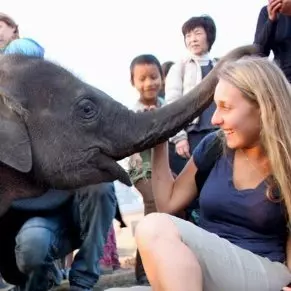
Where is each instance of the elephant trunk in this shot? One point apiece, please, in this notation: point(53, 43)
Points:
point(147, 129)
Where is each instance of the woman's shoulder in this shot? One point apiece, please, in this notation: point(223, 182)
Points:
point(208, 140)
point(210, 146)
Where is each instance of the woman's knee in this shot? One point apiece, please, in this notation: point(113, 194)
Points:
point(154, 226)
point(32, 248)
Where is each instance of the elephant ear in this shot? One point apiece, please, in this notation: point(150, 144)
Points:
point(15, 146)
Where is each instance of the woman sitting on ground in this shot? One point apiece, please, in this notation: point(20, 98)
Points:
point(242, 242)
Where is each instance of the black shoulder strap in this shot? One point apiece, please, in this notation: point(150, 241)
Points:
point(212, 153)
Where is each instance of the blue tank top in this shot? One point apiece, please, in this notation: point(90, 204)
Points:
point(244, 217)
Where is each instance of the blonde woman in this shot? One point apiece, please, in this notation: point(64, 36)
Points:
point(242, 242)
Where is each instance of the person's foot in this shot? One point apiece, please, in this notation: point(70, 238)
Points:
point(142, 280)
point(3, 285)
point(106, 270)
point(116, 267)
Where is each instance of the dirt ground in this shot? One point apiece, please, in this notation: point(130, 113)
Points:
point(122, 278)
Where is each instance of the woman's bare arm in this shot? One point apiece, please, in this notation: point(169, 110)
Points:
point(172, 195)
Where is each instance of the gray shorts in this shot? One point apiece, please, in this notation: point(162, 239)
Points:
point(227, 267)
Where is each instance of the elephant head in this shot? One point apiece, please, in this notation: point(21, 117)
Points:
point(57, 131)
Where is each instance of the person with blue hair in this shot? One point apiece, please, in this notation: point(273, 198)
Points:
point(11, 43)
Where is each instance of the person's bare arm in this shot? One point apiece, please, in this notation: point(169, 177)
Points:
point(172, 195)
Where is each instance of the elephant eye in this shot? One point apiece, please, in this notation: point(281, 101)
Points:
point(87, 109)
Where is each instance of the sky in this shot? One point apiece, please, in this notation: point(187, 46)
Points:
point(97, 40)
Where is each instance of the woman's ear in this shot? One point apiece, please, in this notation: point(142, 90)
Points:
point(15, 146)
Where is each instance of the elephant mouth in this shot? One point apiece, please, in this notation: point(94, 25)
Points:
point(112, 170)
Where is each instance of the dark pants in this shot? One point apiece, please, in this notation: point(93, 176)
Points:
point(82, 223)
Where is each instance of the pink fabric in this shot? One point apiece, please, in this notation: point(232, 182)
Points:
point(110, 255)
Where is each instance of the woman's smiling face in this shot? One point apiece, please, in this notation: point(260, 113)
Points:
point(239, 118)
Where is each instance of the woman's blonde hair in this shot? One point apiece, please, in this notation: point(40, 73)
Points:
point(262, 82)
point(10, 22)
